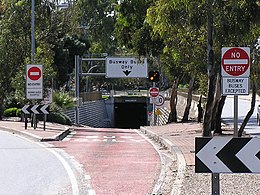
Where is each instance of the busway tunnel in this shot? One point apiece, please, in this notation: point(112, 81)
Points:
point(130, 112)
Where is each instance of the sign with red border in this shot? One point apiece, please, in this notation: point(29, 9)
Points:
point(235, 62)
point(34, 80)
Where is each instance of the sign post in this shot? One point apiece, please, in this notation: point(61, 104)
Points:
point(235, 73)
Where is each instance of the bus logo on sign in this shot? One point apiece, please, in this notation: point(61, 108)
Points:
point(236, 61)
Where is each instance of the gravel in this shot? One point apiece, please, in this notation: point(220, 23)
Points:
point(237, 184)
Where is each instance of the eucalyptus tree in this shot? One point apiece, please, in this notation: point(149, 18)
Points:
point(181, 25)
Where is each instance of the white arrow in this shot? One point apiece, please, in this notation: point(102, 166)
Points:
point(247, 155)
point(34, 109)
point(24, 109)
point(208, 154)
point(43, 109)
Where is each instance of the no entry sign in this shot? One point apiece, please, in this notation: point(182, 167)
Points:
point(34, 86)
point(34, 73)
point(235, 62)
point(154, 91)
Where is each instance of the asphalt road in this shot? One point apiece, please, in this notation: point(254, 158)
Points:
point(30, 168)
point(243, 108)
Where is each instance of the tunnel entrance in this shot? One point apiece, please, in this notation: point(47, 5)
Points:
point(130, 112)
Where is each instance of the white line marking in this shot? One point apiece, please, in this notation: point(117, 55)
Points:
point(34, 73)
point(236, 61)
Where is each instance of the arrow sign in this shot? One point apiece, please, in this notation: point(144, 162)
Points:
point(225, 154)
point(127, 72)
point(26, 109)
point(36, 109)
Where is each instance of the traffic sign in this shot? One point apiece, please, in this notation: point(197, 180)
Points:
point(36, 109)
point(235, 62)
point(34, 73)
point(226, 154)
point(235, 86)
point(154, 91)
point(117, 67)
point(160, 101)
point(34, 81)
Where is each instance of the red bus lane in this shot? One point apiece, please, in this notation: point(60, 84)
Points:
point(118, 161)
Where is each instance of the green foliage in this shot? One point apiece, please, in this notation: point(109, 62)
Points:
point(61, 101)
point(60, 118)
point(10, 112)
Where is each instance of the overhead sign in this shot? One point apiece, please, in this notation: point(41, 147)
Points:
point(34, 81)
point(36, 109)
point(235, 62)
point(126, 67)
point(226, 154)
point(235, 86)
point(154, 91)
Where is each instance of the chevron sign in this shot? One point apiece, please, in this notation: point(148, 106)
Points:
point(225, 154)
point(36, 109)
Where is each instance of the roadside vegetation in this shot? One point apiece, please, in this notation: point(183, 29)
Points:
point(181, 39)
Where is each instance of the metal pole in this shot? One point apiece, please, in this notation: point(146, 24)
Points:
point(235, 115)
point(154, 116)
point(32, 32)
point(77, 89)
point(215, 184)
point(33, 49)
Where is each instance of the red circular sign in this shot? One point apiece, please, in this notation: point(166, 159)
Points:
point(34, 73)
point(235, 61)
point(154, 91)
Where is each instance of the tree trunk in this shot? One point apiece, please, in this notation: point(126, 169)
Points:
point(221, 104)
point(185, 117)
point(173, 103)
point(211, 75)
point(216, 103)
point(200, 110)
point(250, 112)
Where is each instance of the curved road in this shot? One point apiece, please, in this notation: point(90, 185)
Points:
point(243, 108)
point(31, 168)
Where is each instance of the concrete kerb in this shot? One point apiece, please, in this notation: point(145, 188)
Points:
point(33, 137)
point(178, 156)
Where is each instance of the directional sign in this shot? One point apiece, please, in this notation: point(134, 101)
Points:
point(126, 67)
point(235, 61)
point(225, 154)
point(34, 80)
point(36, 109)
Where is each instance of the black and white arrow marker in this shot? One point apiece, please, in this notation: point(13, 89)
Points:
point(225, 154)
point(35, 109)
point(127, 72)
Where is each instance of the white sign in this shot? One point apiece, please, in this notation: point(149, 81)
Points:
point(235, 86)
point(34, 78)
point(160, 101)
point(235, 62)
point(126, 67)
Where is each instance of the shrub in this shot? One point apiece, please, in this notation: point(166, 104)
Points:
point(10, 112)
point(19, 112)
point(59, 118)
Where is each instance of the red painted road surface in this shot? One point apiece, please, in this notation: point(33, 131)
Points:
point(119, 161)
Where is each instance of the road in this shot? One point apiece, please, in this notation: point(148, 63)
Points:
point(116, 161)
point(31, 168)
point(243, 108)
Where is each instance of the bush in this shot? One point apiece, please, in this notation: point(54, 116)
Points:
point(59, 118)
point(19, 112)
point(10, 112)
